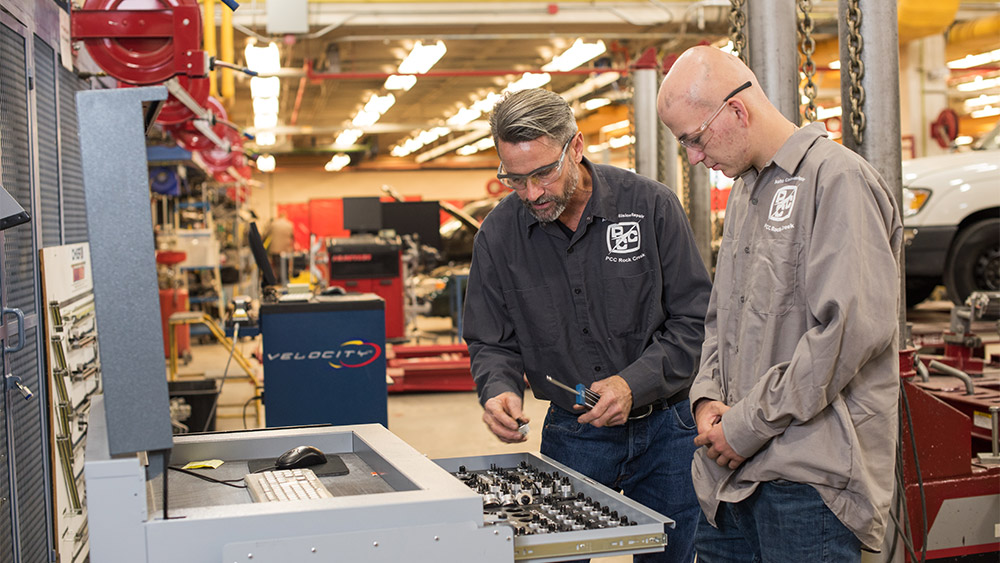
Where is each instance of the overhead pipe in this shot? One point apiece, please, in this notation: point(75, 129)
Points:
point(986, 29)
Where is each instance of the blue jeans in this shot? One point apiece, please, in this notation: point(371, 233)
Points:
point(648, 459)
point(781, 522)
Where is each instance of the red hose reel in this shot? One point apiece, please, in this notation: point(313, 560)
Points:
point(192, 139)
point(143, 42)
point(147, 42)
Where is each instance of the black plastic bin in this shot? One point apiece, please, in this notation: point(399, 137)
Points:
point(200, 395)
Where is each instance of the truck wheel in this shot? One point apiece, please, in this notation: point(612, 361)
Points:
point(974, 261)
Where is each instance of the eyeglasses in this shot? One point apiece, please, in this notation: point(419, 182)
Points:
point(693, 140)
point(541, 176)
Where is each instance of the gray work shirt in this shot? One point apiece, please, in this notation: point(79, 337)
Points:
point(626, 295)
point(801, 333)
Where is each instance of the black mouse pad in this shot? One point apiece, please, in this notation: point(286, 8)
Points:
point(333, 466)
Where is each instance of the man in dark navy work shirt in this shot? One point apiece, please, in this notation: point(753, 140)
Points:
point(589, 274)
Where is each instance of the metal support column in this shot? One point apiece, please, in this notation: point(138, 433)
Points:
point(774, 56)
point(700, 211)
point(878, 138)
point(647, 123)
point(669, 169)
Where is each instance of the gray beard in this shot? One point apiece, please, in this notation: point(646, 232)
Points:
point(572, 183)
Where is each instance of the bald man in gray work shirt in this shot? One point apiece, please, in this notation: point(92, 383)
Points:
point(796, 396)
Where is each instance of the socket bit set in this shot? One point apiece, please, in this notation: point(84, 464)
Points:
point(532, 501)
point(556, 513)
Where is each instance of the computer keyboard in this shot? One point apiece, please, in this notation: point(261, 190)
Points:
point(285, 484)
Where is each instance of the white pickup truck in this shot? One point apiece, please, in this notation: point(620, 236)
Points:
point(951, 211)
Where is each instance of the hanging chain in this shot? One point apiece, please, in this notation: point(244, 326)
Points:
point(808, 46)
point(737, 30)
point(856, 70)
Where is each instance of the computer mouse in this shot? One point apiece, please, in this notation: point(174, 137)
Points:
point(300, 456)
point(334, 290)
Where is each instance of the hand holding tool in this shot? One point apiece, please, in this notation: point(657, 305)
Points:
point(584, 397)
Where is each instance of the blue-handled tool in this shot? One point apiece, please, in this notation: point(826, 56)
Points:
point(584, 397)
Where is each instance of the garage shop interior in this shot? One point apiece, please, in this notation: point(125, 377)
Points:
point(255, 264)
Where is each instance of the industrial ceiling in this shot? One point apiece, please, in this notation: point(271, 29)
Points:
point(338, 55)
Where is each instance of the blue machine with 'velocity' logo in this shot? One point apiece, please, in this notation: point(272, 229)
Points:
point(324, 361)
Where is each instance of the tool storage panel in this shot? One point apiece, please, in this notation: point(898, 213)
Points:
point(74, 377)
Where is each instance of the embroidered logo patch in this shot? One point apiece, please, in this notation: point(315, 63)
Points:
point(623, 238)
point(782, 203)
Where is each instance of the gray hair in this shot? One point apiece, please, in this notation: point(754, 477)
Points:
point(526, 115)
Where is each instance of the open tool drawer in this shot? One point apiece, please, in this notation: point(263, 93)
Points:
point(557, 514)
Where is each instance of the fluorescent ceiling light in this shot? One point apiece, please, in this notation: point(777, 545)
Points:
point(597, 148)
point(979, 83)
point(988, 111)
point(265, 163)
point(464, 115)
point(380, 104)
point(400, 82)
point(265, 105)
point(575, 56)
point(970, 61)
point(365, 119)
point(963, 140)
point(337, 162)
point(595, 103)
point(349, 137)
point(727, 48)
point(834, 65)
point(422, 58)
point(619, 142)
point(419, 140)
point(529, 80)
point(486, 104)
point(983, 100)
point(614, 126)
point(265, 139)
point(263, 60)
point(472, 148)
point(265, 87)
point(265, 121)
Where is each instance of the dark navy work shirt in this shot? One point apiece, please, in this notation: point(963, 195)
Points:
point(626, 294)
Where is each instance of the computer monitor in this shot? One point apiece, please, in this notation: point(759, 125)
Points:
point(420, 217)
point(267, 277)
point(362, 215)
